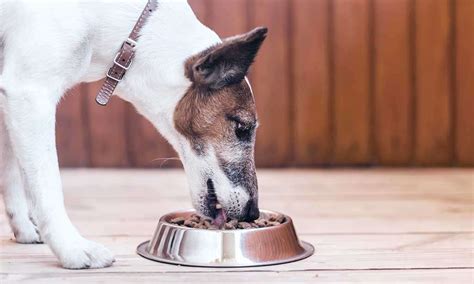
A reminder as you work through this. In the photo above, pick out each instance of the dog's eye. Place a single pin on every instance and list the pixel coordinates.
(243, 132)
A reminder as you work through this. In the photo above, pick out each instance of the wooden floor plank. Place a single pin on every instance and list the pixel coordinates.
(320, 201)
(333, 252)
(395, 276)
(390, 224)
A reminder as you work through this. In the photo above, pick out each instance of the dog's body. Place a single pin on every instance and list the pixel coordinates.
(47, 48)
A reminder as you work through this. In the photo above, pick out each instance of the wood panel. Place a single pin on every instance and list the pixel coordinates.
(107, 130)
(393, 97)
(351, 82)
(228, 18)
(71, 136)
(338, 82)
(433, 40)
(271, 83)
(464, 82)
(146, 147)
(310, 82)
(202, 9)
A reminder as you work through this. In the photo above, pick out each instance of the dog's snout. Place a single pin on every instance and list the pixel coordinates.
(211, 199)
(251, 211)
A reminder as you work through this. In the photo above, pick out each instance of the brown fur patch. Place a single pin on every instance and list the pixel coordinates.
(219, 111)
(226, 63)
(208, 119)
(203, 115)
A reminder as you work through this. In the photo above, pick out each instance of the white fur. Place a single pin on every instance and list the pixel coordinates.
(50, 46)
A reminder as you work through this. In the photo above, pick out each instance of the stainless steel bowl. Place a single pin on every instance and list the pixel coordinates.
(218, 248)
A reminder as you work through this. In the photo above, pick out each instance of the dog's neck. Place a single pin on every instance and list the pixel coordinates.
(156, 79)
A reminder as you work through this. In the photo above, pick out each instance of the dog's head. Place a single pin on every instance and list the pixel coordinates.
(216, 122)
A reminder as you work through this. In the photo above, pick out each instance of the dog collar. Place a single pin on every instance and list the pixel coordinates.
(123, 58)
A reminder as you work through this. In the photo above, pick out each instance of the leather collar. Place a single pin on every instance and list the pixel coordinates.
(124, 57)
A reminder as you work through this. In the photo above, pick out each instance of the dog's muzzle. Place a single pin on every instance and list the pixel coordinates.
(251, 211)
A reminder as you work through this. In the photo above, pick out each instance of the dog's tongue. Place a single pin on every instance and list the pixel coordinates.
(221, 217)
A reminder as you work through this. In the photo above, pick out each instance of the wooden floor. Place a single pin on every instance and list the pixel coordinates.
(367, 226)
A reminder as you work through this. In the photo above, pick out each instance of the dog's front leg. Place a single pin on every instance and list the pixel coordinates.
(30, 118)
(16, 207)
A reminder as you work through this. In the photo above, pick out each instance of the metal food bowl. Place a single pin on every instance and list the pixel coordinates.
(224, 248)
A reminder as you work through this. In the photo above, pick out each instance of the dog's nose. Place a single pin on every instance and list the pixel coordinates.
(251, 211)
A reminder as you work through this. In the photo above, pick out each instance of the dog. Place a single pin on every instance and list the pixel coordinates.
(184, 79)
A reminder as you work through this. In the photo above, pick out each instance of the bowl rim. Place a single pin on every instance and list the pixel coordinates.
(163, 220)
(308, 251)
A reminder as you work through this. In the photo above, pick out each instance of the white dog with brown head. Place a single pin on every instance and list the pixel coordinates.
(184, 79)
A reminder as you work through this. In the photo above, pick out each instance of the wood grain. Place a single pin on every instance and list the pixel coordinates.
(202, 9)
(389, 226)
(464, 83)
(146, 147)
(229, 17)
(107, 130)
(343, 202)
(310, 82)
(337, 82)
(271, 83)
(433, 40)
(427, 276)
(418, 251)
(351, 82)
(71, 135)
(393, 97)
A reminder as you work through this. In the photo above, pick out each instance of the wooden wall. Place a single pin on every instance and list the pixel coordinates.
(337, 83)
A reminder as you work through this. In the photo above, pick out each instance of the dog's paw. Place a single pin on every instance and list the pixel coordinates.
(25, 232)
(85, 254)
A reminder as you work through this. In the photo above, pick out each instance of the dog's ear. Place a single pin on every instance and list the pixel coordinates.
(226, 63)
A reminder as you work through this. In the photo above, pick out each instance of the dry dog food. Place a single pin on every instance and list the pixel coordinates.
(198, 222)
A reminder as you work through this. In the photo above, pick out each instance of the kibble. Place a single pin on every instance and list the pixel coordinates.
(178, 220)
(198, 222)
